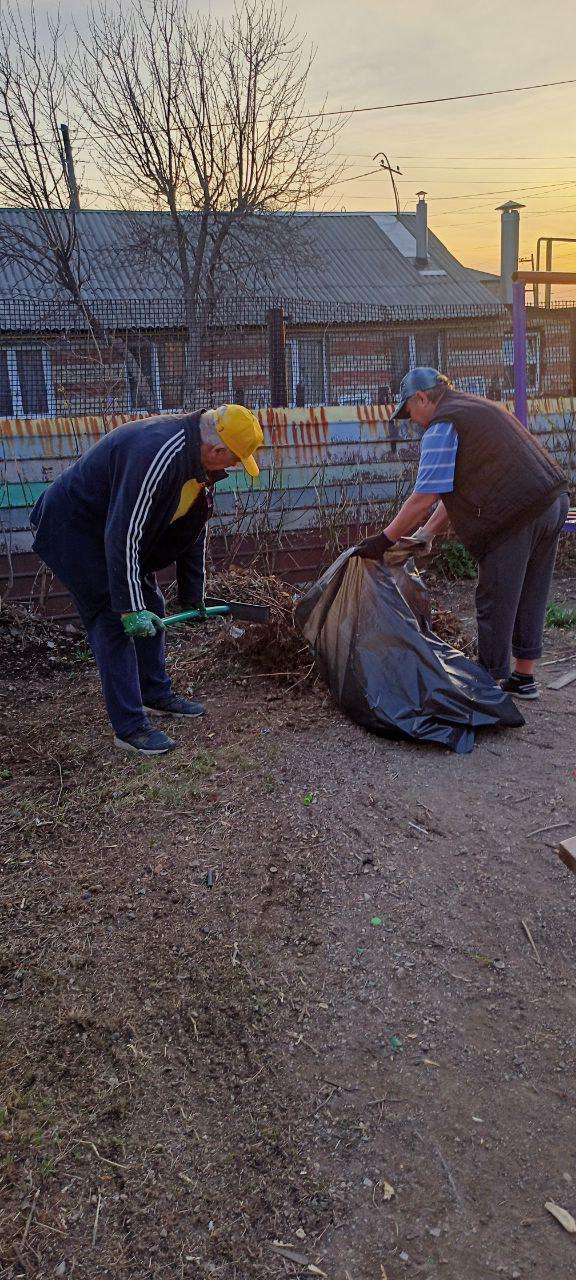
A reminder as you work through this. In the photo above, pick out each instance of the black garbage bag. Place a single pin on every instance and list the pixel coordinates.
(386, 668)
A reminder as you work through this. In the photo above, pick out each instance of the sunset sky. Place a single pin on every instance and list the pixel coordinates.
(468, 156)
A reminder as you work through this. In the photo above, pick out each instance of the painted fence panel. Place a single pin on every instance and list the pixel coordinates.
(319, 466)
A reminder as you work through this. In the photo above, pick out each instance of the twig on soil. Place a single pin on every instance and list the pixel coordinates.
(553, 827)
(445, 1166)
(266, 675)
(323, 1103)
(375, 1102)
(458, 977)
(29, 1219)
(61, 783)
(301, 679)
(531, 941)
(95, 1227)
(417, 828)
(83, 1142)
(309, 1046)
(252, 1078)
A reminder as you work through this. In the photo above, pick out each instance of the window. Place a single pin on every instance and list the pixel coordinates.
(26, 389)
(409, 350)
(532, 361)
(171, 362)
(474, 386)
(32, 379)
(156, 375)
(425, 350)
(307, 381)
(399, 361)
(6, 407)
(140, 369)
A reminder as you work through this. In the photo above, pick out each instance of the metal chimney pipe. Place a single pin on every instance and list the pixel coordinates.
(509, 246)
(421, 230)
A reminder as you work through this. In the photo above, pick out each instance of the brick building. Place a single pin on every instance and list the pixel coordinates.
(362, 298)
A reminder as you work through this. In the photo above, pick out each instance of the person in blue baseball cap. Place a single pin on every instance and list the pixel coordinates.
(421, 379)
(506, 499)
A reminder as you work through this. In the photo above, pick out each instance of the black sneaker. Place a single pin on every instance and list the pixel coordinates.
(176, 706)
(519, 686)
(148, 742)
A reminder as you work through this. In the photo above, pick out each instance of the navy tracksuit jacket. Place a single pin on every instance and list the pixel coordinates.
(104, 528)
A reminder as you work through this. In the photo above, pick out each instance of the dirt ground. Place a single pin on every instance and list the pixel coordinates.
(352, 1056)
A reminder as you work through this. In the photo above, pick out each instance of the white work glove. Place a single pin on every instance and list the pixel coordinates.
(418, 546)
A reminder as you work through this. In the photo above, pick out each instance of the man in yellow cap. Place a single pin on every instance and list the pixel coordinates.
(134, 503)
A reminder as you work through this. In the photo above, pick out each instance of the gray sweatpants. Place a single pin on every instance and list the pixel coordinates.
(512, 594)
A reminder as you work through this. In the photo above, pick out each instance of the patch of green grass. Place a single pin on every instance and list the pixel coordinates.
(203, 763)
(454, 561)
(235, 757)
(83, 654)
(557, 615)
(161, 782)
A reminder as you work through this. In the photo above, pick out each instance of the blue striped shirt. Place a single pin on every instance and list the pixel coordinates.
(438, 449)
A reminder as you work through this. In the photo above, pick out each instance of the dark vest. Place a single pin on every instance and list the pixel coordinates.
(504, 478)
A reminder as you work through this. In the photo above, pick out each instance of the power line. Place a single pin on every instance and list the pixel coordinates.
(364, 155)
(540, 186)
(375, 186)
(472, 195)
(474, 169)
(426, 102)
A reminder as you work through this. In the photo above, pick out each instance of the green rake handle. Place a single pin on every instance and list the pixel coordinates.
(196, 615)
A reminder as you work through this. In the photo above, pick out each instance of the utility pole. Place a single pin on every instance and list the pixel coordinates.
(534, 287)
(70, 170)
(385, 164)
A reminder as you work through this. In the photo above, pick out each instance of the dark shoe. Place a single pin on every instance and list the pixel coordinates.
(524, 687)
(176, 706)
(148, 742)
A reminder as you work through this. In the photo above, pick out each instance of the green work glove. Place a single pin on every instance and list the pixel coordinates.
(142, 623)
(200, 606)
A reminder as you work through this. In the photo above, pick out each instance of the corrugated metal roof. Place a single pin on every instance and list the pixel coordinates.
(332, 258)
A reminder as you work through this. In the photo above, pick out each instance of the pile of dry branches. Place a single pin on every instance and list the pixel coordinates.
(30, 645)
(278, 647)
(275, 647)
(448, 626)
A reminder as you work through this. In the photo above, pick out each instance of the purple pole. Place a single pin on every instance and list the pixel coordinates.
(519, 339)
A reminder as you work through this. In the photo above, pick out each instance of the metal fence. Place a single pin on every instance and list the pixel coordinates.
(64, 359)
(323, 377)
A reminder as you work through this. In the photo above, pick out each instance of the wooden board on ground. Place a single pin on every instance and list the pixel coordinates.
(563, 680)
(567, 853)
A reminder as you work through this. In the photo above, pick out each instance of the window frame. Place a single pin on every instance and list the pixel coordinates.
(15, 384)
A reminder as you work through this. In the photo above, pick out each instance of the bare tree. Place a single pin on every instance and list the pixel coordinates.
(39, 229)
(203, 120)
(33, 178)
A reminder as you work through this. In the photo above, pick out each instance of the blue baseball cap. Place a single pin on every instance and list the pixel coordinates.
(416, 380)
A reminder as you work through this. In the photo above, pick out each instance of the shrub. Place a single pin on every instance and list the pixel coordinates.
(454, 561)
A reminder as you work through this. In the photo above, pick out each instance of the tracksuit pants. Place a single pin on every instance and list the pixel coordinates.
(132, 671)
(513, 587)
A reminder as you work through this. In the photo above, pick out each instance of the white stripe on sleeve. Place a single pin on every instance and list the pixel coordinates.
(158, 466)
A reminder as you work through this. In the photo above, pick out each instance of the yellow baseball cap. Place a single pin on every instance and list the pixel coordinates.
(241, 432)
